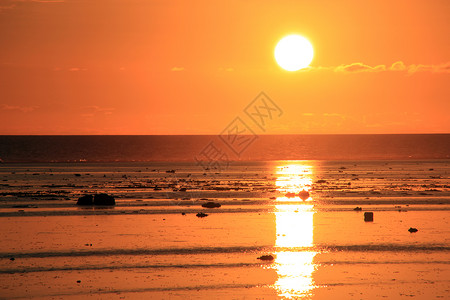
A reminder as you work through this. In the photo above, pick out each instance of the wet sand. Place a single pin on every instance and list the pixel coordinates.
(145, 248)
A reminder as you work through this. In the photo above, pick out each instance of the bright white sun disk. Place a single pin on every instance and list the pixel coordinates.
(294, 52)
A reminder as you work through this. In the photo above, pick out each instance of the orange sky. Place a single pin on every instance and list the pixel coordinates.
(191, 67)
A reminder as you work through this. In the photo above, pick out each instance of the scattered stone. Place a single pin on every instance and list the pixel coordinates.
(183, 214)
(303, 195)
(266, 257)
(104, 199)
(12, 259)
(78, 281)
(182, 190)
(211, 205)
(86, 200)
(290, 195)
(412, 229)
(201, 215)
(357, 208)
(77, 175)
(321, 181)
(368, 216)
(170, 171)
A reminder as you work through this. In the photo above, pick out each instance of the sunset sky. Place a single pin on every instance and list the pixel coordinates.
(191, 67)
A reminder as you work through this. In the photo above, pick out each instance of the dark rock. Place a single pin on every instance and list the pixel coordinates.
(78, 281)
(182, 190)
(357, 208)
(266, 257)
(21, 206)
(183, 214)
(412, 229)
(290, 195)
(321, 181)
(368, 216)
(77, 175)
(170, 171)
(211, 205)
(86, 200)
(104, 199)
(303, 195)
(12, 259)
(201, 215)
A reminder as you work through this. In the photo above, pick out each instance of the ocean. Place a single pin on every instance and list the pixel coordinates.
(233, 147)
(298, 200)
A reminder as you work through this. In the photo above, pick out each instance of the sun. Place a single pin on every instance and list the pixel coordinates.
(294, 52)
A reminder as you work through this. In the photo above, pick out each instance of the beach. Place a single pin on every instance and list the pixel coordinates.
(151, 244)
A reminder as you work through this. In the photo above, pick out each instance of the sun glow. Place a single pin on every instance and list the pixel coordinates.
(294, 52)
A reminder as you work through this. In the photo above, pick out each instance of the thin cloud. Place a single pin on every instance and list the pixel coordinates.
(24, 109)
(442, 68)
(7, 5)
(398, 66)
(359, 67)
(4, 8)
(177, 69)
(93, 109)
(40, 1)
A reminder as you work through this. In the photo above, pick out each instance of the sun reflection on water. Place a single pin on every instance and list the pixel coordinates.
(294, 227)
(293, 179)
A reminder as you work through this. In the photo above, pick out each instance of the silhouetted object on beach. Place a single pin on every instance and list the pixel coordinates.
(368, 216)
(211, 205)
(201, 215)
(104, 199)
(303, 195)
(357, 208)
(86, 200)
(266, 257)
(412, 229)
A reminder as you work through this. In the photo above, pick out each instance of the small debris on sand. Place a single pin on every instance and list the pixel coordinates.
(12, 259)
(201, 215)
(412, 229)
(211, 205)
(78, 281)
(357, 208)
(183, 214)
(266, 257)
